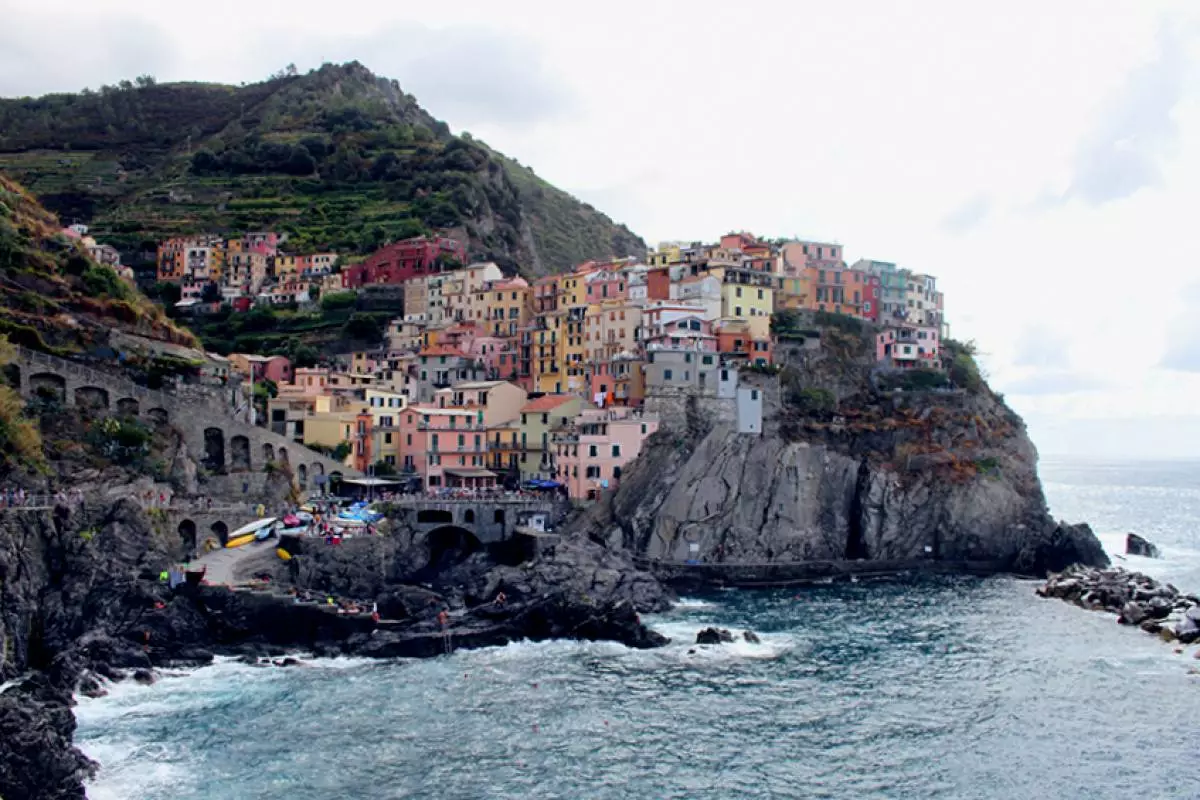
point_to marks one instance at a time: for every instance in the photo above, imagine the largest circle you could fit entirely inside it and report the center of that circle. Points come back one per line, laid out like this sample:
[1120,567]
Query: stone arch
[469,516]
[434,515]
[318,468]
[239,453]
[48,384]
[283,455]
[302,475]
[158,416]
[220,530]
[214,449]
[268,452]
[91,397]
[187,532]
[128,407]
[449,545]
[498,516]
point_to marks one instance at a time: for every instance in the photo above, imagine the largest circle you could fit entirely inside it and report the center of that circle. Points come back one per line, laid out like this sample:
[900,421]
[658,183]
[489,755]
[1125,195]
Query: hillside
[337,158]
[53,296]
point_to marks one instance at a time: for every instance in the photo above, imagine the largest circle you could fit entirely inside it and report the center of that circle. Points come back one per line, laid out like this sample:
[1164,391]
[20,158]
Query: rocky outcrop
[939,476]
[1136,599]
[80,601]
[1137,546]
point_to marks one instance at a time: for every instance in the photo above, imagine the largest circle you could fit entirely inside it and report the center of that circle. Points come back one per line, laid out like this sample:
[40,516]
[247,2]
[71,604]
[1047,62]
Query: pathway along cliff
[851,471]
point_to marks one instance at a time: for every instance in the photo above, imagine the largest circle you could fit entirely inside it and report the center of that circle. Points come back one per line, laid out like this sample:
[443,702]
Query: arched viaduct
[222,443]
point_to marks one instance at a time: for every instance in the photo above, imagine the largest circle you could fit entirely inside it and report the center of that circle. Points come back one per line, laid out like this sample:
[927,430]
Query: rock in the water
[143,676]
[1132,614]
[713,636]
[1137,546]
[751,637]
[1151,626]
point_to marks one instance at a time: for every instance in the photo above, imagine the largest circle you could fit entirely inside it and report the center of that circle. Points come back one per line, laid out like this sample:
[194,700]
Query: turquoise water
[950,688]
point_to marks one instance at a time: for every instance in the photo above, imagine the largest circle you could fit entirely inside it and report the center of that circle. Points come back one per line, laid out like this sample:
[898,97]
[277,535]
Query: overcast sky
[1042,157]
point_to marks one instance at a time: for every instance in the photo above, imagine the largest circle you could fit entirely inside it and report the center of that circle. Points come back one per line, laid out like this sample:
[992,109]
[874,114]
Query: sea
[933,688]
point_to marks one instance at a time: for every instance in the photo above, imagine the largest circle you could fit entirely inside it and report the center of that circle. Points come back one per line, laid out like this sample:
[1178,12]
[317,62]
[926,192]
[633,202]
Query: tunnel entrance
[450,545]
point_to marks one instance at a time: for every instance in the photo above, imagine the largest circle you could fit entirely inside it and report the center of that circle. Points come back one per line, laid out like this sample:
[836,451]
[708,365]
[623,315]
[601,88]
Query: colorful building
[592,452]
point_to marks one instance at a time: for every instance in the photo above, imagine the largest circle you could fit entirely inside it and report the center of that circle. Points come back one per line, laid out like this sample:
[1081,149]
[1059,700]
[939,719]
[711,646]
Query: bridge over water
[225,443]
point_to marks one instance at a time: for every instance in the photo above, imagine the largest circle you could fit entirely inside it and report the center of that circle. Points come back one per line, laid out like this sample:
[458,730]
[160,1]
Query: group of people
[17,497]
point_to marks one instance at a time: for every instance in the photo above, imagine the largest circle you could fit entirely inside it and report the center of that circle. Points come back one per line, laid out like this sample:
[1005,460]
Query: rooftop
[547,402]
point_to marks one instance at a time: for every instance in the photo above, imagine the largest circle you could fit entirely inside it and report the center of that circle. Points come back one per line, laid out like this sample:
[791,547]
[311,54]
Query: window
[434,442]
[687,357]
[592,451]
[616,451]
[643,429]
[737,312]
[707,360]
[593,472]
[387,438]
[760,294]
[666,374]
[739,291]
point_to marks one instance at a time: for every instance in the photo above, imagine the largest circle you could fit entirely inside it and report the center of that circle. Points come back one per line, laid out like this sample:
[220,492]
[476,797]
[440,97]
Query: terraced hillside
[337,158]
[53,297]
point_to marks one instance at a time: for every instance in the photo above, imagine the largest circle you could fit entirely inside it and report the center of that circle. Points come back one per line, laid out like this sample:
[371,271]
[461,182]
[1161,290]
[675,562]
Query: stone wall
[220,441]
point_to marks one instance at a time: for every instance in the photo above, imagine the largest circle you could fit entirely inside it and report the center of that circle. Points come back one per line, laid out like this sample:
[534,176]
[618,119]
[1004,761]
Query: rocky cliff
[81,603]
[844,469]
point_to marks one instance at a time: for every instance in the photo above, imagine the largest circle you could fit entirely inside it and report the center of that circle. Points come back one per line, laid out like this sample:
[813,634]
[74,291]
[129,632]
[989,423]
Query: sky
[1041,158]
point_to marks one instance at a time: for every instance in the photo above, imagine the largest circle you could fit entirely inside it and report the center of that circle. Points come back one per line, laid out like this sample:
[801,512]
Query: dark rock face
[714,636]
[820,492]
[1137,546]
[1136,599]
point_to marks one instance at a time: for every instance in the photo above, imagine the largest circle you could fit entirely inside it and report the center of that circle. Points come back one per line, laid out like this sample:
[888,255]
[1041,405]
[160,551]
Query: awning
[469,473]
[371,481]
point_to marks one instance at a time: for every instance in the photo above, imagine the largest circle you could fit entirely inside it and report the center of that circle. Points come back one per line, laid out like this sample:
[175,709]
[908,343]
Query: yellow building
[793,293]
[504,445]
[574,349]
[546,366]
[285,266]
[540,418]
[667,253]
[331,429]
[749,296]
[506,307]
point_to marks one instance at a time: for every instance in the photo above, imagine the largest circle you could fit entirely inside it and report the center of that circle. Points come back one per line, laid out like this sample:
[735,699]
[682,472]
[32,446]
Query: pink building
[490,350]
[447,447]
[908,346]
[307,381]
[606,285]
[592,453]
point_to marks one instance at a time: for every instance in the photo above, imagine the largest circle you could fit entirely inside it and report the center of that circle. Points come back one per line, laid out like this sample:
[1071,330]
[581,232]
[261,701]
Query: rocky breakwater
[851,473]
[1157,608]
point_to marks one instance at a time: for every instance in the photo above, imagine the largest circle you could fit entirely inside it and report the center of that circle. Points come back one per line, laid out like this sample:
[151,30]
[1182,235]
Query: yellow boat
[238,541]
[284,554]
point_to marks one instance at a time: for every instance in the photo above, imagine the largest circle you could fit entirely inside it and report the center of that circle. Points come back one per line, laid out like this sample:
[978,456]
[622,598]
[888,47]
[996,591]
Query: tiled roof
[443,350]
[547,402]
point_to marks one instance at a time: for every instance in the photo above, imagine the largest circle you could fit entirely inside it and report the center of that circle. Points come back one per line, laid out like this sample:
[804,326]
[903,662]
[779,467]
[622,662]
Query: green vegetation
[337,453]
[20,440]
[383,469]
[121,440]
[53,297]
[299,335]
[338,159]
[959,358]
[914,380]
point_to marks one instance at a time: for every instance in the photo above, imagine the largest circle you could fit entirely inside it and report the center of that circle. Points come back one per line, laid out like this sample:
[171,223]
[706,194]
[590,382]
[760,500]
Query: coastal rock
[809,490]
[1132,614]
[1137,546]
[37,759]
[751,637]
[714,636]
[1137,599]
